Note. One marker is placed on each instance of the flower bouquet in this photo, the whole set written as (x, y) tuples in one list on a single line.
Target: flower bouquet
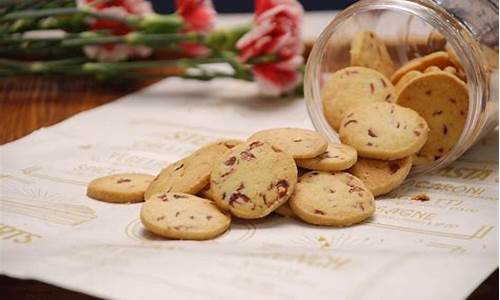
[(109, 39)]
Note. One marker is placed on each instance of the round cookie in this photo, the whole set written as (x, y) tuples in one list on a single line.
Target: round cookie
[(451, 70), (405, 79), (192, 173), (119, 188), (353, 86), (384, 131), (431, 69), (207, 192), (367, 50), (183, 216), (253, 179), (459, 73), (337, 157), (420, 160), (337, 199), (382, 176), (285, 211), (298, 142), (439, 59), (412, 74), (442, 100)]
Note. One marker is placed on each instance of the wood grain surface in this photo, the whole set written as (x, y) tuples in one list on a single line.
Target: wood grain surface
[(30, 103)]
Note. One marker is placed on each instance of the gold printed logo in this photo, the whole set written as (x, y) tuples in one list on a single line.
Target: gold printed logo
[(134, 160), (446, 187), (407, 213), (16, 235), (313, 260), (33, 202), (464, 173)]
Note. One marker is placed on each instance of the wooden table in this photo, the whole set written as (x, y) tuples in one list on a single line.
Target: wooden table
[(31, 103)]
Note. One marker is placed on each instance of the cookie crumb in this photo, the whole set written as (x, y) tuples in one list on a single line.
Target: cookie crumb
[(421, 197)]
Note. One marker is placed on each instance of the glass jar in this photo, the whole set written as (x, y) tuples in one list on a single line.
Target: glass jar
[(412, 29)]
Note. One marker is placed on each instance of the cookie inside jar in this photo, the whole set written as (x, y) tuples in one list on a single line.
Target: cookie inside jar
[(382, 54)]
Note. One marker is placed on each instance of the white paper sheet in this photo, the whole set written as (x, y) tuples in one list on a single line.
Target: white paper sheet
[(50, 231)]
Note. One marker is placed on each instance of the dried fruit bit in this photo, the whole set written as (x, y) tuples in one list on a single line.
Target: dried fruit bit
[(230, 161), (421, 197), (122, 180)]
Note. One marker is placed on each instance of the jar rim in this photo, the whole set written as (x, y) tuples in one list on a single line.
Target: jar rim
[(446, 24)]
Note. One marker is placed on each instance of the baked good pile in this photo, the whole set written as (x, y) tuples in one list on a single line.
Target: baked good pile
[(385, 126), (374, 105), (290, 171)]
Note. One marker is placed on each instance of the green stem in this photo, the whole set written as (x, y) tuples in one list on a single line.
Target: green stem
[(264, 59), (17, 39), (226, 39), (240, 70), (103, 70), (127, 65), (207, 76), (40, 66), (67, 61), (51, 12), (39, 50), (74, 42), (133, 38), (40, 13), (8, 6)]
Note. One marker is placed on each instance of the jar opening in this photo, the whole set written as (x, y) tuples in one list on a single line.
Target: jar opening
[(410, 29)]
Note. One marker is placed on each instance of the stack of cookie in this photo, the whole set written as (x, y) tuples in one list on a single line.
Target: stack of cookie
[(416, 117), (195, 197)]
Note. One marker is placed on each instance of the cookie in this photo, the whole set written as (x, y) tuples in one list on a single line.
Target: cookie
[(405, 79), (449, 69), (253, 179), (421, 160), (337, 157), (384, 131), (431, 69), (190, 174), (183, 216), (381, 176), (367, 50), (207, 192), (442, 100), (337, 199), (285, 211), (353, 86), (439, 59), (119, 188), (300, 143)]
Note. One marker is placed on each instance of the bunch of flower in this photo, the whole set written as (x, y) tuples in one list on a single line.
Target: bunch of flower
[(104, 38)]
